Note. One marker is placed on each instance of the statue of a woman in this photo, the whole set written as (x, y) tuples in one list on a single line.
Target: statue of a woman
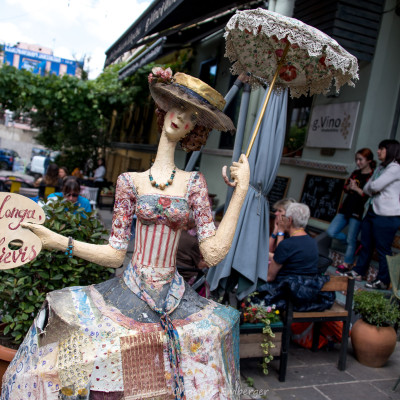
[(147, 334)]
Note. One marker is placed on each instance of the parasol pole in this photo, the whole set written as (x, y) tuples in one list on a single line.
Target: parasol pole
[(257, 128)]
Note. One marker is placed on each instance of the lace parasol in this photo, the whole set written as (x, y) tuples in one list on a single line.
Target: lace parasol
[(255, 41), (284, 52)]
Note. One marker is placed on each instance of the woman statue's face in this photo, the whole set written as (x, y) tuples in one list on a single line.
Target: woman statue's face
[(178, 123)]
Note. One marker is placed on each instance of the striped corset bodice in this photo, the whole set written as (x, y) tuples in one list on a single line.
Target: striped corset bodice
[(156, 246)]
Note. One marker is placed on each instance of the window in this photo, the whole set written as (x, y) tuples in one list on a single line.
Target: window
[(227, 140), (208, 72), (298, 116)]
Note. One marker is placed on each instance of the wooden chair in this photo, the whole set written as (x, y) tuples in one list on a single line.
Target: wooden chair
[(14, 183), (93, 193), (15, 186), (44, 191), (48, 190), (336, 313)]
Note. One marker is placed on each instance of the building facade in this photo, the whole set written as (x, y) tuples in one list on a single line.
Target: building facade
[(39, 60), (369, 29)]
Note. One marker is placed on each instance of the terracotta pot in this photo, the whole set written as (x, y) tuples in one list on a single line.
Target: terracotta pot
[(6, 356), (286, 151), (372, 345)]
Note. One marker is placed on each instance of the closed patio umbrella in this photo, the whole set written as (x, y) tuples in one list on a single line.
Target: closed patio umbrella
[(248, 255)]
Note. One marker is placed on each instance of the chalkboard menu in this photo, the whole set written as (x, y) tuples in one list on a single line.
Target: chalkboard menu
[(323, 195), (278, 190)]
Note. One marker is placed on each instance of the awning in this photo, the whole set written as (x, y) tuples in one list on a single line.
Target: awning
[(170, 17), (150, 54)]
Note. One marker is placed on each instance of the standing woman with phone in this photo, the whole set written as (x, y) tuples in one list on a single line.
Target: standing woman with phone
[(351, 211), (382, 220)]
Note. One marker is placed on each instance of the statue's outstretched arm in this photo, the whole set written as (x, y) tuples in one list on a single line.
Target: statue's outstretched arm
[(101, 254)]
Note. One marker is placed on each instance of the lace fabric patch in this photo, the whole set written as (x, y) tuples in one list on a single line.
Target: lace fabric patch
[(75, 363), (255, 40)]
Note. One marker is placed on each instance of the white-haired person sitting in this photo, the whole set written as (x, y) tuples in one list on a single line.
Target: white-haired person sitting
[(298, 254), (294, 267)]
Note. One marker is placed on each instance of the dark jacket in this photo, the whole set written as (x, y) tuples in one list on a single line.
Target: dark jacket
[(305, 292)]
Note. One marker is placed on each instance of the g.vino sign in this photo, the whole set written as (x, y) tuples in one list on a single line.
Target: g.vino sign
[(332, 125), (18, 245)]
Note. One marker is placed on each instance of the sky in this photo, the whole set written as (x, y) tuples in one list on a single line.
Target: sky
[(72, 28)]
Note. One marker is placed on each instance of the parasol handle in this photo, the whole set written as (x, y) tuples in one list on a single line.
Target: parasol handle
[(257, 128)]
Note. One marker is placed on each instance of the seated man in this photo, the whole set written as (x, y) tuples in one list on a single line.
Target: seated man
[(188, 256), (298, 254), (293, 269)]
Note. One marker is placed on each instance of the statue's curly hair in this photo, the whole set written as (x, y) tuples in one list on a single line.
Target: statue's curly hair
[(193, 141)]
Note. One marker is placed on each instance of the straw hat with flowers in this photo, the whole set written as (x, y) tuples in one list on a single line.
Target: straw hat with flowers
[(182, 90)]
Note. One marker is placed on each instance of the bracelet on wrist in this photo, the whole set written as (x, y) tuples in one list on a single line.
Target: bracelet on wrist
[(281, 233), (68, 251), (273, 235)]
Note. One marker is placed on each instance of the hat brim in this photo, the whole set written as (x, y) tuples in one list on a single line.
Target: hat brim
[(169, 96)]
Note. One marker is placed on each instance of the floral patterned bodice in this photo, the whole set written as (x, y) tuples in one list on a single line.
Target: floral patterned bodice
[(160, 219)]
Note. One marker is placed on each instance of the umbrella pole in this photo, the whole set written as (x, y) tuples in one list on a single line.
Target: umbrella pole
[(237, 149), (271, 87)]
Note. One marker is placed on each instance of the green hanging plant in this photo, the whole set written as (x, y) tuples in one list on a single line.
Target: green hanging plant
[(260, 313), (267, 345)]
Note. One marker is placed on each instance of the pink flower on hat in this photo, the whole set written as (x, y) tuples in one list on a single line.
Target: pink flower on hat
[(160, 75)]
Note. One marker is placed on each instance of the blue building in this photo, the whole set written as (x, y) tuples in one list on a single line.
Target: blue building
[(40, 63)]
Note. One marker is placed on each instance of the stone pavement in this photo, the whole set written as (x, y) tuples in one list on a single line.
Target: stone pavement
[(313, 376)]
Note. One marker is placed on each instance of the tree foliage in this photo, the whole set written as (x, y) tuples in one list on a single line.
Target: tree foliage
[(73, 115)]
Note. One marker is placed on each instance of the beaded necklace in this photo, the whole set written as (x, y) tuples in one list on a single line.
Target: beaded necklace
[(162, 186)]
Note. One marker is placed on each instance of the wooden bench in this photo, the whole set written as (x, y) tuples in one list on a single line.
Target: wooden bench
[(336, 313)]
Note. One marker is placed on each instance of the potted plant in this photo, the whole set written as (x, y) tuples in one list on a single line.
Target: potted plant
[(23, 289), (258, 317), (293, 146), (373, 336)]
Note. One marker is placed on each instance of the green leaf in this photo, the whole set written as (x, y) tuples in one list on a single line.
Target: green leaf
[(44, 274), (250, 381)]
